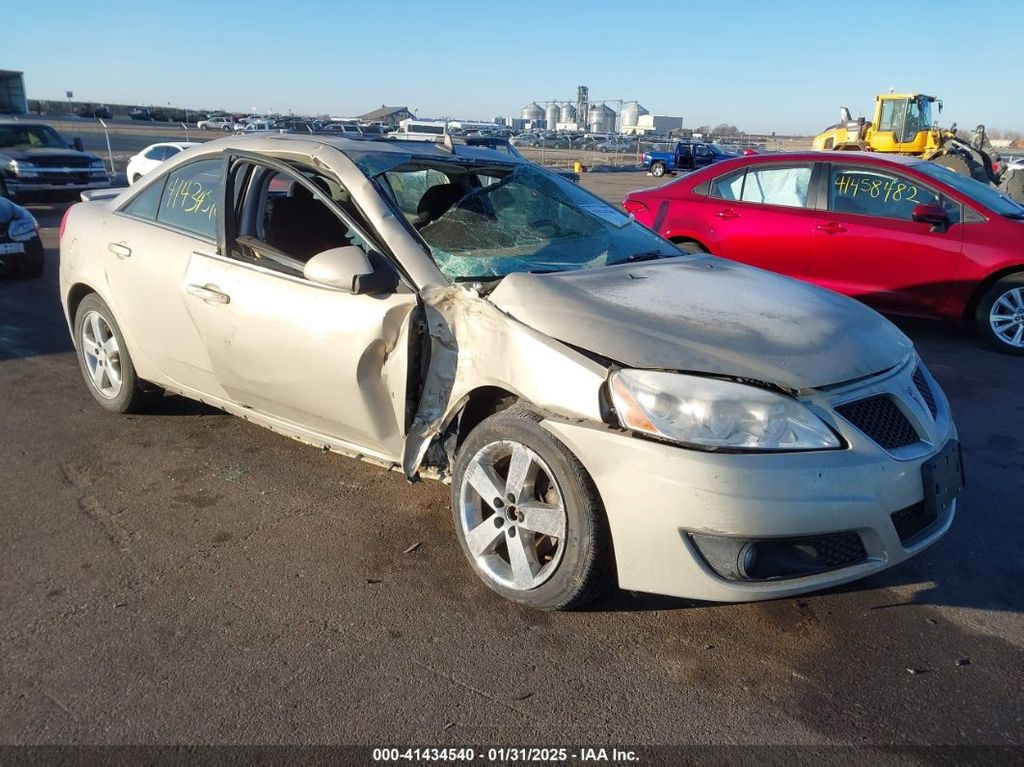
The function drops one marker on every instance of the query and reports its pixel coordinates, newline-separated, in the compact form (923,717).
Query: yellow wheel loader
(903,124)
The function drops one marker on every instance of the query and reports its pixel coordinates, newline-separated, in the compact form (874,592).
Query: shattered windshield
(483,221)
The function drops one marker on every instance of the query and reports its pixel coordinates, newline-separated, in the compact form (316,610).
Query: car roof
(425,149)
(835,156)
(179,144)
(25,123)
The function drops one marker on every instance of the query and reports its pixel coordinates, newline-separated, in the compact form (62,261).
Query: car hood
(30,155)
(708,315)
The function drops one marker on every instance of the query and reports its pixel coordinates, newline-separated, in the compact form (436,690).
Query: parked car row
(904,235)
(607,408)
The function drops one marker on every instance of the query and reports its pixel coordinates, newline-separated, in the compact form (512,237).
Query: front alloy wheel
(527,514)
(512,515)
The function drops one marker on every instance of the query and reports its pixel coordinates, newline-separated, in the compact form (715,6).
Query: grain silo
(551,115)
(629,115)
(533,112)
(601,119)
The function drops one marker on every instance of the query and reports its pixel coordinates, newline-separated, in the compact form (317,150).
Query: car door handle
(119,249)
(832,227)
(727,214)
(209,294)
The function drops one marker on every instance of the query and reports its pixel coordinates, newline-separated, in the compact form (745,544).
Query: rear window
(786,186)
(189,201)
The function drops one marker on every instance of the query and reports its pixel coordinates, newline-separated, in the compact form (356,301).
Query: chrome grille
(880,419)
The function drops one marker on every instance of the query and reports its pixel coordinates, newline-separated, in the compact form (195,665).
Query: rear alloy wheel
(1000,316)
(104,360)
(658,169)
(527,514)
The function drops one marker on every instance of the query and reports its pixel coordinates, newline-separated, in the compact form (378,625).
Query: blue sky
(782,66)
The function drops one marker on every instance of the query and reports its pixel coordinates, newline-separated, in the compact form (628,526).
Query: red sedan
(903,235)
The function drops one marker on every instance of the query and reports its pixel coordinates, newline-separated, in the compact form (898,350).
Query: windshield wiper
(649,255)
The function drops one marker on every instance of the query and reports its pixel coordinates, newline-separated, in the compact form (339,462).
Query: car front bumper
(657,496)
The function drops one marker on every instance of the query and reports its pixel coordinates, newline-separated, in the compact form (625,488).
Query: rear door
(760,215)
(684,157)
(327,360)
(150,242)
(869,247)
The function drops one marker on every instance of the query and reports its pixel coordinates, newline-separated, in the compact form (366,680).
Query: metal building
(567,113)
(12,93)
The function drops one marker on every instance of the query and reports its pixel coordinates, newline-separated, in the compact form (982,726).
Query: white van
(420,130)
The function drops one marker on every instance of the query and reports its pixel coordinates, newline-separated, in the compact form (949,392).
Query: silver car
(606,408)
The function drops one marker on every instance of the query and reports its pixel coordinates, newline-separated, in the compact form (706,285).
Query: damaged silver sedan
(606,408)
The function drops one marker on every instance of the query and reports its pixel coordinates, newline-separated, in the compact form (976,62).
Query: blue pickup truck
(687,155)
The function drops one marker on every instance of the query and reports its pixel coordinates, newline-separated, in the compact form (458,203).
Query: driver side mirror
(348,268)
(76,144)
(935,215)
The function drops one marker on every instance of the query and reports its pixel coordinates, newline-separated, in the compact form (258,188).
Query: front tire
(105,362)
(658,169)
(1000,315)
(528,516)
(33,261)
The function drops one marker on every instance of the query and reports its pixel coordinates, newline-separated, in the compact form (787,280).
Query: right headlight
(710,413)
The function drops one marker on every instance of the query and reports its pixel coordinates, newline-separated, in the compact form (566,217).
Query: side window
(190,198)
(282,223)
(887,119)
(729,186)
(170,151)
(146,204)
(868,192)
(156,153)
(702,151)
(773,185)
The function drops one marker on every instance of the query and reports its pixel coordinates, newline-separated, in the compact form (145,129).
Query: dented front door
(332,362)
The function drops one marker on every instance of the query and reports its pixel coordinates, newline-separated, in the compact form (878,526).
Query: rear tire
(690,246)
(107,367)
(658,169)
(563,568)
(1000,314)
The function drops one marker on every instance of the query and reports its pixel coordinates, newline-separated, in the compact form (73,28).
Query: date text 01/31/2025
(510,754)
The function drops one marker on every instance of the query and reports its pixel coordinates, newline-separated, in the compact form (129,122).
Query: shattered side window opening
(517,218)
